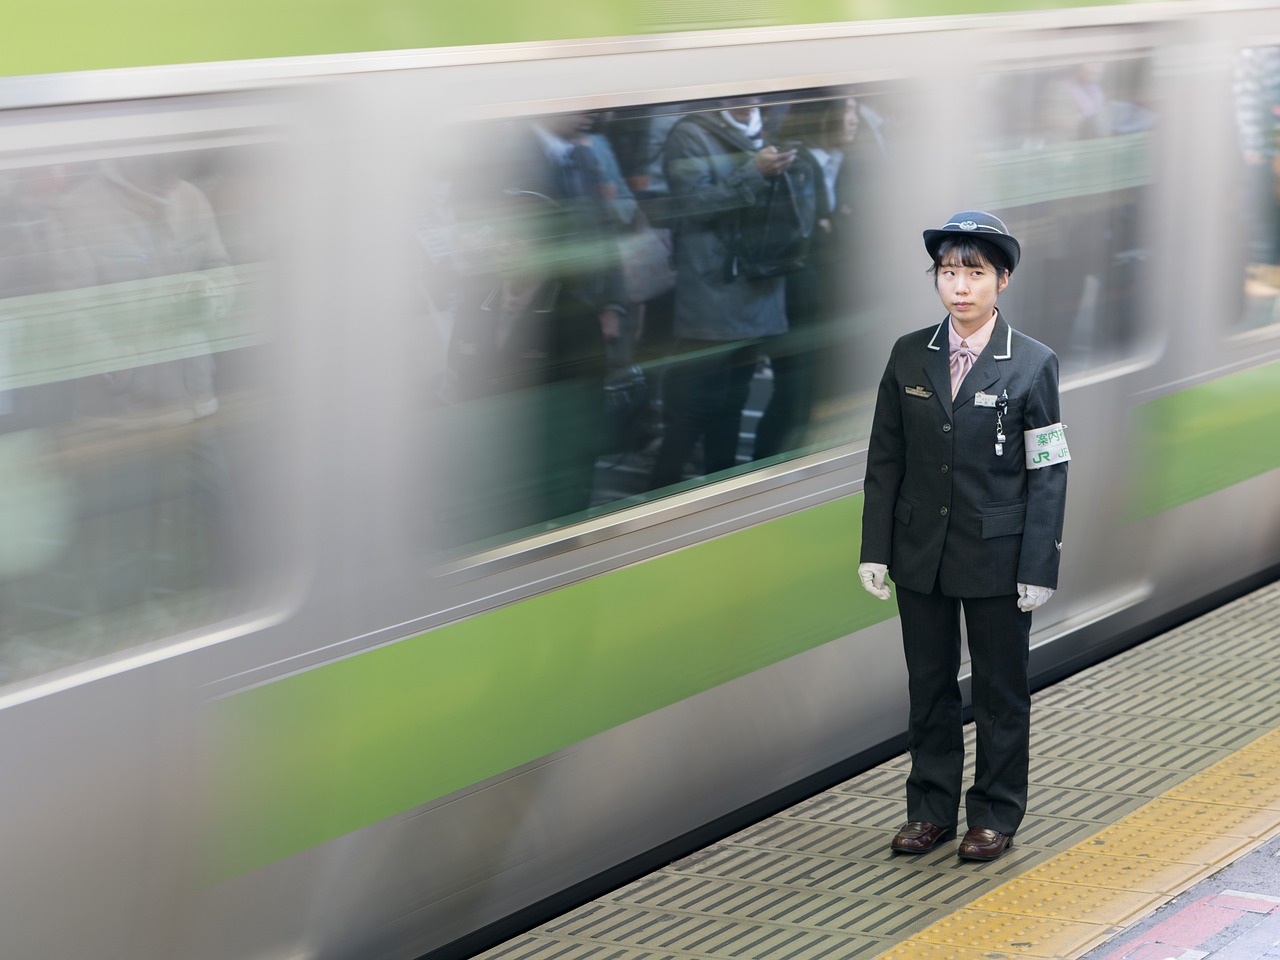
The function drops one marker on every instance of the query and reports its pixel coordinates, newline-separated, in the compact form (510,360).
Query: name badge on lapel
(920,392)
(981,399)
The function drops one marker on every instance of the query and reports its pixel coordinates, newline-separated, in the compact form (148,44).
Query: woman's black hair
(973,252)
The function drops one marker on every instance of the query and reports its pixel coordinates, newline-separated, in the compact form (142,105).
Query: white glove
(1032,598)
(872,577)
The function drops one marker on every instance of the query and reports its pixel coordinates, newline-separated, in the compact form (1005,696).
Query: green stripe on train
(314,756)
(1204,439)
(55,36)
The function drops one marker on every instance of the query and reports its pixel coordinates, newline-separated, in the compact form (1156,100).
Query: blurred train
(343,610)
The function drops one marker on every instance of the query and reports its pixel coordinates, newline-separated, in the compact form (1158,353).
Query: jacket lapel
(936,366)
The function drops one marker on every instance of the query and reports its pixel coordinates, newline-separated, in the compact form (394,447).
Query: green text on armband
(1046,446)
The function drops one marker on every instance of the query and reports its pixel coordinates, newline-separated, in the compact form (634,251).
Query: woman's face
(851,119)
(969,291)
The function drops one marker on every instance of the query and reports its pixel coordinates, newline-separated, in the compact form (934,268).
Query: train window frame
(1240,329)
(1041,53)
(628,515)
(79,136)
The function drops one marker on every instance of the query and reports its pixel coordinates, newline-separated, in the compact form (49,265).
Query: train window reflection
(1070,163)
(129,409)
(643,300)
(1257,113)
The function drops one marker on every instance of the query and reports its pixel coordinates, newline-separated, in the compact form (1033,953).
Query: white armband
(1046,446)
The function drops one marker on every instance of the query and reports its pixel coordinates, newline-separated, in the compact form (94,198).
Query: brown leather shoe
(920,836)
(979,843)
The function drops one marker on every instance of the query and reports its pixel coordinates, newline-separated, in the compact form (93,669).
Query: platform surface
(1153,773)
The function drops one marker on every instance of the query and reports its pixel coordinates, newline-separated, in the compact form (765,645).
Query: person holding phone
(717,166)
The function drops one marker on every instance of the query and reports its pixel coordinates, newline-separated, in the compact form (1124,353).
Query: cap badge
(967,225)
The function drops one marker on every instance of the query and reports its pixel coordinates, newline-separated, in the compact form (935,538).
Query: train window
(644,300)
(131,411)
(1069,163)
(1257,113)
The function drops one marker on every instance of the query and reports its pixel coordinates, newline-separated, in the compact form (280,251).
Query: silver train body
(233,480)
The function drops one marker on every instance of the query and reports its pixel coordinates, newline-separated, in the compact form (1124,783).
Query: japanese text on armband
(1046,446)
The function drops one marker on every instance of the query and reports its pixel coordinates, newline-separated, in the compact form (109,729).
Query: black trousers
(999,645)
(703,399)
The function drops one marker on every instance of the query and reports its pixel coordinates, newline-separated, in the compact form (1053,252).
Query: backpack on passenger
(771,237)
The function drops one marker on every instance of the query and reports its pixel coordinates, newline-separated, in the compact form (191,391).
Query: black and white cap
(975,223)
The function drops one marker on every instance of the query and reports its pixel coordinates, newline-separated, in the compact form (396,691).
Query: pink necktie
(962,358)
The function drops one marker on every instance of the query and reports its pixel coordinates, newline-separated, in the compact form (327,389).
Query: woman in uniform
(964,499)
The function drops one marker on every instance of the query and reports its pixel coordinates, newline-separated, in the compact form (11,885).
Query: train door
(1208,466)
(140,501)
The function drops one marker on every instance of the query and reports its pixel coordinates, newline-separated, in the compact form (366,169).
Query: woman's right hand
(872,577)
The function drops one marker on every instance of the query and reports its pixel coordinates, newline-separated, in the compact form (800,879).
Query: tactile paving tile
(922,950)
(1196,849)
(854,810)
(1267,743)
(1240,790)
(1113,872)
(774,904)
(890,878)
(888,787)
(537,948)
(1202,708)
(1012,933)
(1123,728)
(1209,667)
(1066,900)
(1112,778)
(1177,817)
(1164,756)
(704,935)
(1154,684)
(1094,806)
(894,880)
(795,836)
(1258,759)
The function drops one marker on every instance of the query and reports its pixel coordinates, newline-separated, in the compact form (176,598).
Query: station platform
(1152,833)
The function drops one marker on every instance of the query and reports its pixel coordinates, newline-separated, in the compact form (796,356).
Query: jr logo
(1045,447)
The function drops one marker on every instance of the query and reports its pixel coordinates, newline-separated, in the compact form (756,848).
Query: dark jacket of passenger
(711,175)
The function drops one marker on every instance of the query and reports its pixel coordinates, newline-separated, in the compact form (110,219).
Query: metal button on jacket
(945,468)
(942,511)
(946,428)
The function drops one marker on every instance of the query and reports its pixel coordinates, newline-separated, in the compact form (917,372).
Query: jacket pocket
(1004,519)
(902,511)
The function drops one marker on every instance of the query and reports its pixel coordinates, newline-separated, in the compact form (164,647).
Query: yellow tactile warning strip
(1149,772)
(1085,895)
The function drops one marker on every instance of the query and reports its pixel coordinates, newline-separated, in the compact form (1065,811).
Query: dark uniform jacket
(940,505)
